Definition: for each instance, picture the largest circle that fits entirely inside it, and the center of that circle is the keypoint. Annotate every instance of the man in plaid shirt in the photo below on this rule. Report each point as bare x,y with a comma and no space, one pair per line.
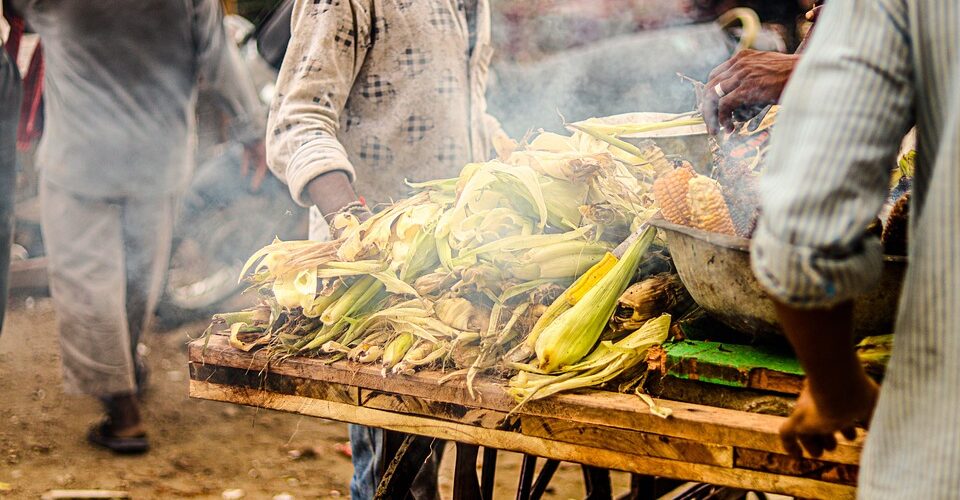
373,92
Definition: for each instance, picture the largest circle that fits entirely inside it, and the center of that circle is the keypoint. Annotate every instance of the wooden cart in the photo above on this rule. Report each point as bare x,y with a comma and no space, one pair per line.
604,430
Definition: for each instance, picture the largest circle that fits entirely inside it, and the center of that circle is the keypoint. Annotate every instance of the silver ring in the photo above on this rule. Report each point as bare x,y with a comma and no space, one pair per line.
719,90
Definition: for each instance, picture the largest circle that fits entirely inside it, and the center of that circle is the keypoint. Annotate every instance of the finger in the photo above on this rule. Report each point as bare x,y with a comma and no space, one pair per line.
849,433
258,176
723,68
788,438
245,163
731,81
725,108
731,65
708,108
712,102
829,442
813,443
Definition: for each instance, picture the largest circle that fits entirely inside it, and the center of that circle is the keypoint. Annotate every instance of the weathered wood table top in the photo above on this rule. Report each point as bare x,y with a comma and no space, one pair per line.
598,428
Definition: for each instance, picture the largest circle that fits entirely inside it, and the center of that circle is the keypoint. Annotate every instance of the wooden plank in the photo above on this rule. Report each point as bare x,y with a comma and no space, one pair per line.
689,421
695,422
275,383
624,441
735,365
415,405
718,396
790,466
630,442
520,443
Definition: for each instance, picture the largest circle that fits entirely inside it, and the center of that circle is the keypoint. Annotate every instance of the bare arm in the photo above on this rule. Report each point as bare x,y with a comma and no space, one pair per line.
845,110
837,394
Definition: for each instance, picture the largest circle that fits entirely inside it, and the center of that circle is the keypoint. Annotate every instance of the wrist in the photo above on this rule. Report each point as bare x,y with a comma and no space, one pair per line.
331,191
841,387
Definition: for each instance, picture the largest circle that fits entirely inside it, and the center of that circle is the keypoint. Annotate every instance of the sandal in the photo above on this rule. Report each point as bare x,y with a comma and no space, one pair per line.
102,435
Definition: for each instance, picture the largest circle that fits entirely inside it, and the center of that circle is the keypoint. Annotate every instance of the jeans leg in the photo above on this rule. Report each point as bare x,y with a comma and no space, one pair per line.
366,444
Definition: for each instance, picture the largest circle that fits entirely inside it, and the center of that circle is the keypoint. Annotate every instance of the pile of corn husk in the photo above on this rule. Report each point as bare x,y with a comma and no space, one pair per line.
503,269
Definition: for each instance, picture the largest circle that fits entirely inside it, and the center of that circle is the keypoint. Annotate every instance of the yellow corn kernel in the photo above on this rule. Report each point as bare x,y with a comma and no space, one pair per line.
670,191
708,209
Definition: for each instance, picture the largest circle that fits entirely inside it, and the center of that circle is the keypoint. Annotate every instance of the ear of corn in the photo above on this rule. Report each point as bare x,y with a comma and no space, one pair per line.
395,350
575,332
656,295
605,363
670,190
894,236
708,209
467,269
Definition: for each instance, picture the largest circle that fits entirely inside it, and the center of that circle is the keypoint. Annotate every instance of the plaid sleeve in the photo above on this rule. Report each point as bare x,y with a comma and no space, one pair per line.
327,48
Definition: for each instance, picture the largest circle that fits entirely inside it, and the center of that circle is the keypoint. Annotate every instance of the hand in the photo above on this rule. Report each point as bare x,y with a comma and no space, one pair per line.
255,159
820,413
749,77
332,192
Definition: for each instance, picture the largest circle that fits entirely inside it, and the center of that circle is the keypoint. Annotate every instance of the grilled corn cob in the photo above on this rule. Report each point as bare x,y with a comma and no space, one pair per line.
708,209
895,231
670,191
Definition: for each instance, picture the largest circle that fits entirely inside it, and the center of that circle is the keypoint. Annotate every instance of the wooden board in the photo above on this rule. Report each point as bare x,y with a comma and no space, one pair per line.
735,365
518,442
697,443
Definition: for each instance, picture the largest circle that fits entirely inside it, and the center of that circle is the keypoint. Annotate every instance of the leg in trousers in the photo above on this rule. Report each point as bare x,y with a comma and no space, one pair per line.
105,256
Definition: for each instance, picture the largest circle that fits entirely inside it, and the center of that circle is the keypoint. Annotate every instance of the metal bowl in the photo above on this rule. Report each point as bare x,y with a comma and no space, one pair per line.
715,268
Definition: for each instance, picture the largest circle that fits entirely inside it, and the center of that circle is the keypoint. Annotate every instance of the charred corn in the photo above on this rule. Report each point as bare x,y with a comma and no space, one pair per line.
894,237
670,191
708,209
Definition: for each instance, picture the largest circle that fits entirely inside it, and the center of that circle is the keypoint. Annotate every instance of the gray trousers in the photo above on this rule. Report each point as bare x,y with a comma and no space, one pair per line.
107,260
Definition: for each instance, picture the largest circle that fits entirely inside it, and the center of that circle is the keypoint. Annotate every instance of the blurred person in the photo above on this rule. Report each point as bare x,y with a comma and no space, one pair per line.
372,93
121,80
10,94
872,69
751,78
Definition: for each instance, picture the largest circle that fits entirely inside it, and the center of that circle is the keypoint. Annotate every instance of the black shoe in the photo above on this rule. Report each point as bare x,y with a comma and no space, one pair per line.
102,435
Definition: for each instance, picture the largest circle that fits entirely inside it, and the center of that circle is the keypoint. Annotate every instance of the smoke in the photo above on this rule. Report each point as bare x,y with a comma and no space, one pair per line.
626,73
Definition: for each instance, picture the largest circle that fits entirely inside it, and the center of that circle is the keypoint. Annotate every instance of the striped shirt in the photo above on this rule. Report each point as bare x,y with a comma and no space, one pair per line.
872,68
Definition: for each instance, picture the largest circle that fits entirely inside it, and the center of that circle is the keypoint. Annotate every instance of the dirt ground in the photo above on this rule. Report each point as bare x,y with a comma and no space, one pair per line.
200,449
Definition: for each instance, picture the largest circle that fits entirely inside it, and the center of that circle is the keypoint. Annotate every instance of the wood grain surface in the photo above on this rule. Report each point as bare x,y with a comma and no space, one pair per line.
598,428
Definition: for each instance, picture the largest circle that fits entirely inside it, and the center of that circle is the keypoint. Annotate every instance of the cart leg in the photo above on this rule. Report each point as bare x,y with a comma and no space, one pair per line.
527,469
465,484
407,454
641,488
488,473
543,479
597,483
